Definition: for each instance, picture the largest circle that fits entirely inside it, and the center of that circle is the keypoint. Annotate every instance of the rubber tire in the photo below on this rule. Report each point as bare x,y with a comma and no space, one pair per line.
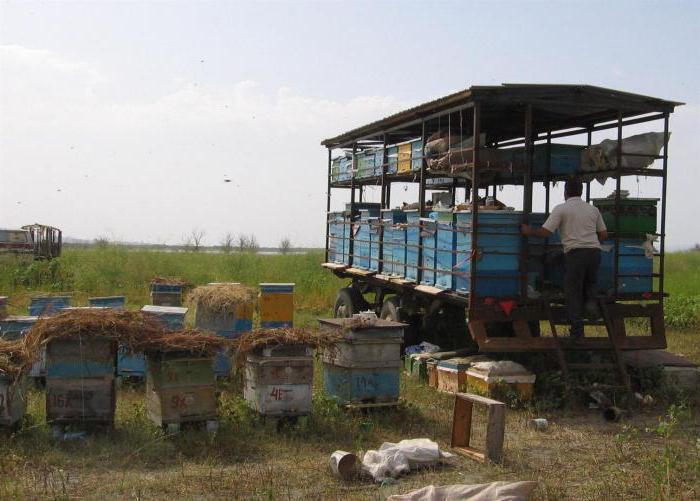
390,309
350,301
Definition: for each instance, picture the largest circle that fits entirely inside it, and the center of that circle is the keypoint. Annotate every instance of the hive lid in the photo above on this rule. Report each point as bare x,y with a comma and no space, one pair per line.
347,323
19,318
462,363
164,310
501,370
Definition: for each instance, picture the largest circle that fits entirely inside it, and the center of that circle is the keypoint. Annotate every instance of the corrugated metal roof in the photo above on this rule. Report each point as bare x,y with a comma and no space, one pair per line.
600,102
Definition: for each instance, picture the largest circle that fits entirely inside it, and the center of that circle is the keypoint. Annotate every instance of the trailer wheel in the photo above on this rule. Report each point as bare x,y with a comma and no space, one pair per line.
390,309
349,302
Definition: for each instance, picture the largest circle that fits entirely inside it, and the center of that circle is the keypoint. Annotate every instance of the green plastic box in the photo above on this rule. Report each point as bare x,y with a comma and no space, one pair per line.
637,215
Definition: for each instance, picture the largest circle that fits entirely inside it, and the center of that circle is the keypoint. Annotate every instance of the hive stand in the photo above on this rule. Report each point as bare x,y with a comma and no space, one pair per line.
462,425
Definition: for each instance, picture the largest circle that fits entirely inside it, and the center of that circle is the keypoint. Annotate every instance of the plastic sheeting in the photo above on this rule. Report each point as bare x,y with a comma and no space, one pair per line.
424,347
395,459
495,491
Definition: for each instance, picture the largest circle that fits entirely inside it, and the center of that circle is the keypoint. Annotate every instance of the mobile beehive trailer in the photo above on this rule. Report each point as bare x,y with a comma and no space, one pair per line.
472,265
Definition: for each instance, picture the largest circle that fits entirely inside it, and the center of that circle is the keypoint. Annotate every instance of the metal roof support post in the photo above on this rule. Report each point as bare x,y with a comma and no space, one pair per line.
662,244
382,206
351,249
588,184
475,205
328,202
527,199
421,208
547,181
547,199
618,186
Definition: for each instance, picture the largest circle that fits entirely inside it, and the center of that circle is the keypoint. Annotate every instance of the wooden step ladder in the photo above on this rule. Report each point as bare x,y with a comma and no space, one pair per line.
618,363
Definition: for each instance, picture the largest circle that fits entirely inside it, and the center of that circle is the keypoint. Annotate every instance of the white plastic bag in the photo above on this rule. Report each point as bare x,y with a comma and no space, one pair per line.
394,459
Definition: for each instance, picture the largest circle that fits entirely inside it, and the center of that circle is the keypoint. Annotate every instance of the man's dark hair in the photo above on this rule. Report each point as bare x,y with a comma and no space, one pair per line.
573,187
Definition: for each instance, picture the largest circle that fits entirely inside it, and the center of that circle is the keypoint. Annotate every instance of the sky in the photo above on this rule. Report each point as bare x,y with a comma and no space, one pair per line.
122,120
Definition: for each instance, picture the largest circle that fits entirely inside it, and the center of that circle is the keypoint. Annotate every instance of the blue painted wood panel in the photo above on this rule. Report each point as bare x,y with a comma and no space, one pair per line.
361,385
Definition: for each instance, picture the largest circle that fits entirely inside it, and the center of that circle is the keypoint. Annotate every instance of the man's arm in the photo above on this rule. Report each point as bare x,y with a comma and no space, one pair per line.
600,228
550,226
528,230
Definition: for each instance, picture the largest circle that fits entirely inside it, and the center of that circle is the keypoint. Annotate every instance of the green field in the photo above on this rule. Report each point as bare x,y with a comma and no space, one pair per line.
115,270
653,453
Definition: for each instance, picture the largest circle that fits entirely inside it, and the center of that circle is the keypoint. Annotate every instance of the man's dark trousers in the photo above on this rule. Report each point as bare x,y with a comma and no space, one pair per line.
580,284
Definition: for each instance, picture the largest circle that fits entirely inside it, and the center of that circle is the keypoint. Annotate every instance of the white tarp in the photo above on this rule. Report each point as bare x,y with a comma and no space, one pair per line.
603,156
495,491
392,460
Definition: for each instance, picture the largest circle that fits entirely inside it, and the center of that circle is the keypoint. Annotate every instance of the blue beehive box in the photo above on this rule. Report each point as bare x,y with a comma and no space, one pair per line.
112,302
394,238
497,253
128,365
566,159
365,367
15,326
392,155
367,234
416,155
429,257
336,237
412,243
341,168
444,254
47,306
171,317
634,268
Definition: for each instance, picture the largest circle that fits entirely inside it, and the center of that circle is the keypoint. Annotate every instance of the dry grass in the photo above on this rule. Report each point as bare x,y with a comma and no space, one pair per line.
579,457
14,357
221,298
257,339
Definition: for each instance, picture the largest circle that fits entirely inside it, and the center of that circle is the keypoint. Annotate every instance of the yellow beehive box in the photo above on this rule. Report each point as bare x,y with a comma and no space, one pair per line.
431,366
489,378
452,372
404,158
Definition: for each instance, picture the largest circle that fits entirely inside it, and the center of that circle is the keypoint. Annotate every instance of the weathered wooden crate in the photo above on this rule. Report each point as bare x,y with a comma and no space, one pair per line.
279,385
13,400
180,388
80,384
276,305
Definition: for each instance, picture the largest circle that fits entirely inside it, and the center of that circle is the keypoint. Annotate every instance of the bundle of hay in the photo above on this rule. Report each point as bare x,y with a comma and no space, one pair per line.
15,358
188,340
132,329
221,298
169,281
256,340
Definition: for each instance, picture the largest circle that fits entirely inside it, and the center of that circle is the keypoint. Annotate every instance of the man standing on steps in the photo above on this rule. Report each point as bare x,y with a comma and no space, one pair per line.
581,229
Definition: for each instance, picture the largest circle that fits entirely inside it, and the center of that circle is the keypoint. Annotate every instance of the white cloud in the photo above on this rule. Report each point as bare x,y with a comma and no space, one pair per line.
153,170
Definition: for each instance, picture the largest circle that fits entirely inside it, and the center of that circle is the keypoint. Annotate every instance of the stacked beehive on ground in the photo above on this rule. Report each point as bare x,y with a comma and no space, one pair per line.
364,368
80,381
